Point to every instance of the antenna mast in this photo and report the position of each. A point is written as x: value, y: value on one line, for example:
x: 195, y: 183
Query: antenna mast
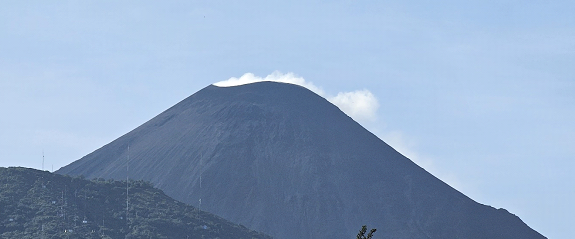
x: 42, y: 161
x: 201, y: 169
x: 127, y: 182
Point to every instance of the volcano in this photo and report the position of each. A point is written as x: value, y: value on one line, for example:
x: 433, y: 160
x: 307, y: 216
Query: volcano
x: 280, y: 159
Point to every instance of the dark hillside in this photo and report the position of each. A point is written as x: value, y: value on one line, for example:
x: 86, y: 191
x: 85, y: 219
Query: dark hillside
x: 39, y: 204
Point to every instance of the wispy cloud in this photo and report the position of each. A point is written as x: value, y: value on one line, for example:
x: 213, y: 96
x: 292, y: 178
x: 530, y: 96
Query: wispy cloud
x: 361, y: 105
x: 407, y: 146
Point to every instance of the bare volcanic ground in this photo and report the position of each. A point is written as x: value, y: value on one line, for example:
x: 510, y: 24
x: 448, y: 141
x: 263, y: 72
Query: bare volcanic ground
x: 282, y: 160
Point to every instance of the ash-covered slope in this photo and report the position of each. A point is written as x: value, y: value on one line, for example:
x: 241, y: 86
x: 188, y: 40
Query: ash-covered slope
x: 282, y: 160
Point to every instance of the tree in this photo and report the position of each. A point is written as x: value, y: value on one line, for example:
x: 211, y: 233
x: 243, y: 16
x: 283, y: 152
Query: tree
x: 361, y: 234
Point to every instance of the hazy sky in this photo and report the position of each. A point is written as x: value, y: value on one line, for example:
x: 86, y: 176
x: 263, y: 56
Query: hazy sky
x: 479, y: 93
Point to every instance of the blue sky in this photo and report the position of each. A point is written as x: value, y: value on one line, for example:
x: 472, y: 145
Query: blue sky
x: 480, y: 93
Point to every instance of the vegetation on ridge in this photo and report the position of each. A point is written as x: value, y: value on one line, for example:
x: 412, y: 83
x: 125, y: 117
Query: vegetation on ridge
x: 361, y: 234
x: 39, y: 204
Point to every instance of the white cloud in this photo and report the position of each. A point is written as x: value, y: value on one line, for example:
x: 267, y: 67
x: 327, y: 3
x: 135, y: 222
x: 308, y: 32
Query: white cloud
x: 276, y: 76
x: 361, y: 105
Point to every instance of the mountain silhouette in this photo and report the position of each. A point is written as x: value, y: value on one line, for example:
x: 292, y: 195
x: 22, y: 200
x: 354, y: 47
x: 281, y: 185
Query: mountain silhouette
x: 282, y: 160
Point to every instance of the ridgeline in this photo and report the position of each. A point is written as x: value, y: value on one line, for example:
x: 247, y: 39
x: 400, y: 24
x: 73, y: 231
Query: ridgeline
x: 40, y: 204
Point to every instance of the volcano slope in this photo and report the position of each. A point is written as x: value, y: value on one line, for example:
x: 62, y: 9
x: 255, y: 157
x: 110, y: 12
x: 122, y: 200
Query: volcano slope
x: 282, y: 160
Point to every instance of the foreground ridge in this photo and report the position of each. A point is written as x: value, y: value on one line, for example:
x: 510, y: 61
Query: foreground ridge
x: 39, y: 204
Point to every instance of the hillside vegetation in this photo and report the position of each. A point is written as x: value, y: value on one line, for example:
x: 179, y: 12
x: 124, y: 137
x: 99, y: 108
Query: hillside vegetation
x: 39, y: 204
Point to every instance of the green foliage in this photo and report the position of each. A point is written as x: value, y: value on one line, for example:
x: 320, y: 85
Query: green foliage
x: 39, y: 204
x: 361, y: 234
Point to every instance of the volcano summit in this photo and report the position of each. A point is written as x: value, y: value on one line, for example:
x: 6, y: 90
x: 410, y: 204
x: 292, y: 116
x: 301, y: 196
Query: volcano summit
x: 282, y: 160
